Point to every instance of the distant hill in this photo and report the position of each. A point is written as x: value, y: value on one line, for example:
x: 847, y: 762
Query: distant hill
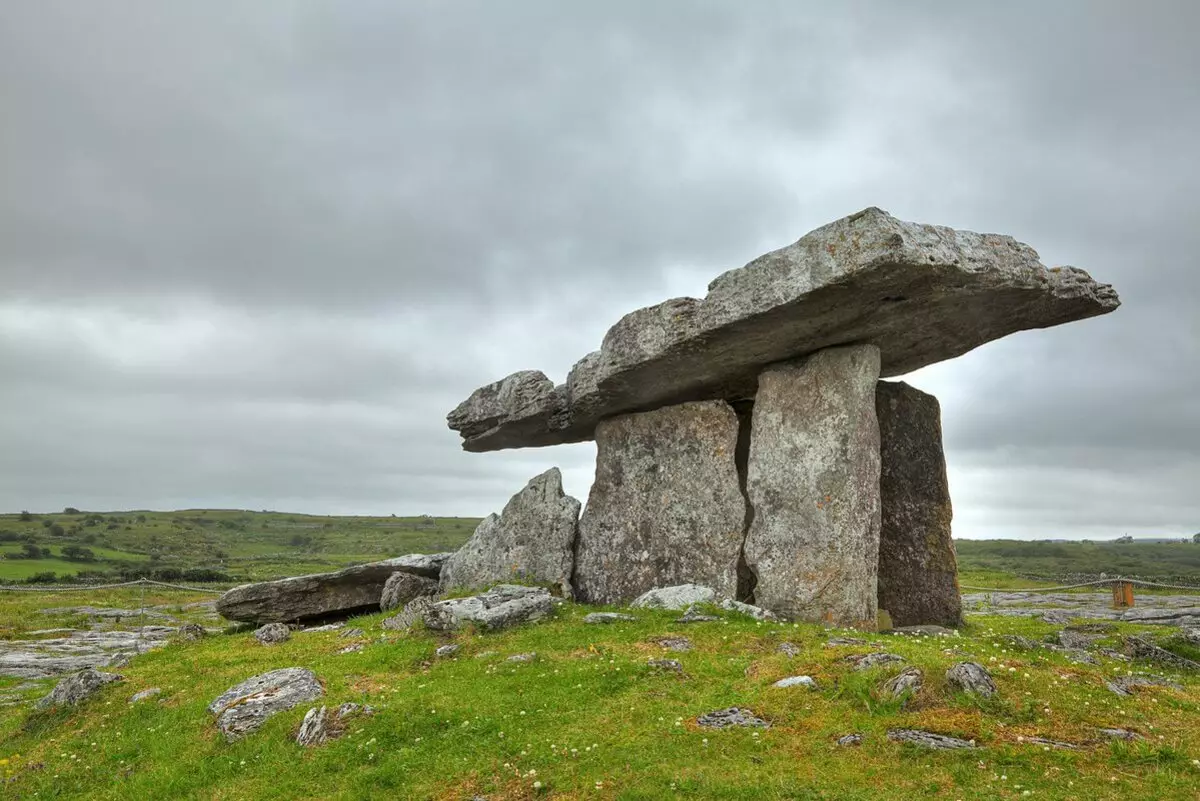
x: 1163, y: 559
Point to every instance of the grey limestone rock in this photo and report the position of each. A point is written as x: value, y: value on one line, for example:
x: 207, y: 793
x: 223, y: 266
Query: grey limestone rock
x: 242, y: 709
x: 788, y: 649
x: 673, y: 643
x: 756, y: 612
x: 733, y: 716
x: 500, y: 607
x: 273, y: 634
x: 446, y: 651
x: 1128, y: 685
x: 920, y: 293
x: 401, y: 587
x: 797, y: 681
x: 850, y: 739
x: 868, y: 661
x: 191, y: 632
x: 908, y: 682
x: 1120, y: 734
x: 320, y: 725
x: 1046, y: 743
x: 972, y: 678
x: 1140, y: 648
x: 532, y: 540
x: 918, y: 569
x: 608, y: 617
x: 813, y: 483
x: 666, y: 506
x: 928, y: 739
x: 145, y: 694
x: 407, y: 617
x: 76, y: 688
x: 671, y: 665
x: 526, y: 657
x: 678, y: 597
x: 694, y: 615
x: 345, y: 592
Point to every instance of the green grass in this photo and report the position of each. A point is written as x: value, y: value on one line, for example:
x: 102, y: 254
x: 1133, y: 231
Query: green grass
x: 1058, y: 561
x: 589, y: 720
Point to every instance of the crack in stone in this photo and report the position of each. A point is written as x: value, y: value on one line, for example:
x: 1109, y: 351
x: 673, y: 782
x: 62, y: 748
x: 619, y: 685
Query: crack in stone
x: 747, y: 579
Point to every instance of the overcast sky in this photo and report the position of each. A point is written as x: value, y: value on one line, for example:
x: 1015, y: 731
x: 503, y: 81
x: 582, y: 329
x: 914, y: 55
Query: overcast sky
x: 252, y: 253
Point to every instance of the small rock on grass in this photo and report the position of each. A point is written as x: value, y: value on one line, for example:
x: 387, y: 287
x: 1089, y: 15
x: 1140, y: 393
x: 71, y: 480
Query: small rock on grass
x: 673, y: 643
x: 352, y: 649
x: 850, y: 739
x: 1144, y: 649
x: 144, y: 694
x: 972, y: 678
x: 797, y: 681
x: 834, y: 642
x: 190, y: 632
x: 1042, y: 741
x: 242, y: 709
x: 1120, y: 734
x: 320, y: 726
x: 347, y: 633
x: 1127, y: 685
x: 529, y: 657
x: 788, y: 649
x: 678, y: 597
x: 909, y: 680
x: 673, y: 665
x: 928, y: 739
x: 273, y: 633
x: 868, y: 661
x: 608, y: 617
x: 693, y: 615
x: 326, y: 627
x: 76, y: 688
x: 733, y: 716
x: 445, y: 651
x: 756, y: 612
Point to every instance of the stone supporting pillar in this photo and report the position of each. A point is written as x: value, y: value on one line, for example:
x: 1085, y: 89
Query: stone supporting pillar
x: 918, y: 571
x: 813, y: 484
x: 666, y: 507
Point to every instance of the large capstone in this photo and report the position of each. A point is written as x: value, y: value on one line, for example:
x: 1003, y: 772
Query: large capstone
x: 920, y: 293
x: 666, y: 507
x: 813, y: 484
x: 347, y: 592
x: 532, y: 540
x: 918, y: 571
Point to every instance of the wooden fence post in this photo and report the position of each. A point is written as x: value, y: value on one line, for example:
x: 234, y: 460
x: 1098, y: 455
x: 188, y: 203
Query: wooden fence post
x: 1122, y: 594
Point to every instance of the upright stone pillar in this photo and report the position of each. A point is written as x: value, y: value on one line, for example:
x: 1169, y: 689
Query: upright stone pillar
x: 666, y: 507
x: 813, y: 486
x: 918, y: 570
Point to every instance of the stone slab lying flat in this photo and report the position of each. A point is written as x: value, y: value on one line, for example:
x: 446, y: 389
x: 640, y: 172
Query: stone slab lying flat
x: 921, y: 293
x: 345, y: 592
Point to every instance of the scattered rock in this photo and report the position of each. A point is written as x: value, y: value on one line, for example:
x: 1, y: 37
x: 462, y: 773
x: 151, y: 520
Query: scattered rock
x: 531, y: 540
x: 273, y: 634
x: 325, y: 627
x: 407, y: 617
x: 666, y: 506
x: 529, y: 657
x: 756, y: 612
x: 693, y: 615
x: 1139, y: 648
x: 608, y: 617
x: 144, y: 694
x: 679, y: 597
x: 501, y: 607
x: 242, y: 709
x: 1024, y: 643
x: 812, y: 478
x: 1128, y: 685
x: 788, y: 648
x: 446, y: 651
x: 400, y: 588
x: 1191, y: 635
x: 352, y: 649
x: 850, y: 739
x: 320, y: 726
x: 733, y: 716
x: 673, y: 665
x: 1077, y: 640
x: 191, y: 632
x: 972, y: 678
x: 797, y: 681
x: 834, y: 642
x: 1120, y: 734
x: 1042, y: 741
x: 1078, y: 656
x: 868, y: 661
x: 347, y: 592
x: 908, y: 682
x: 918, y: 568
x: 928, y: 739
x: 925, y: 631
x: 673, y: 643
x: 79, y: 687
x: 348, y: 633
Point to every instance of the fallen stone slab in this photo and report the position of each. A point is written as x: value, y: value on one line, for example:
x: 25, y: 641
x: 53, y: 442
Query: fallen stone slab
x: 244, y: 708
x: 918, y: 568
x: 920, y: 293
x: 971, y: 678
x: 733, y: 716
x: 666, y: 506
x: 77, y: 688
x: 677, y: 598
x: 928, y: 739
x: 354, y: 590
x: 501, y: 607
x: 531, y: 540
x: 608, y: 618
x: 812, y: 480
x: 400, y: 588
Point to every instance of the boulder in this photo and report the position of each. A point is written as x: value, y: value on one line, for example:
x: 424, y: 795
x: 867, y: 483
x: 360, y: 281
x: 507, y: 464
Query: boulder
x: 918, y: 569
x: 676, y: 598
x: 812, y: 482
x: 501, y: 607
x: 666, y: 506
x: 401, y: 587
x: 920, y: 293
x: 273, y: 634
x: 972, y: 678
x: 242, y: 709
x: 76, y: 688
x: 354, y: 590
x: 531, y: 540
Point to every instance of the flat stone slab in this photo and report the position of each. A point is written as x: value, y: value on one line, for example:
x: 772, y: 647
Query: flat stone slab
x: 243, y: 709
x: 921, y: 293
x: 346, y: 592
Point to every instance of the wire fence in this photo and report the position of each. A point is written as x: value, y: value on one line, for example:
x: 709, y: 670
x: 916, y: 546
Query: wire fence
x: 142, y: 582
x: 1108, y: 582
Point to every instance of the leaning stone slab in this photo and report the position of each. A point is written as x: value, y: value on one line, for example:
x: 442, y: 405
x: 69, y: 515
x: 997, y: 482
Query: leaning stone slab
x: 501, y: 607
x: 666, y: 506
x: 244, y: 708
x: 531, y: 540
x: 972, y: 678
x: 677, y: 598
x: 813, y: 482
x: 401, y: 587
x: 74, y: 689
x: 921, y: 293
x: 347, y: 592
x: 918, y: 569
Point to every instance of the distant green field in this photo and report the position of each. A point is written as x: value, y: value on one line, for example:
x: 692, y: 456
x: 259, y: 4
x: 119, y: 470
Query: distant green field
x: 1178, y: 561
x: 238, y: 545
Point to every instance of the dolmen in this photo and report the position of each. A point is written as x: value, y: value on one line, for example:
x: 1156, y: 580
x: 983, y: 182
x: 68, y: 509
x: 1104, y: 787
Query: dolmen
x: 745, y: 441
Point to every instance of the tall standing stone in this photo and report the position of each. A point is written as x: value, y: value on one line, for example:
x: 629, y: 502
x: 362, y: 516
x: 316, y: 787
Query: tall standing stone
x: 533, y: 539
x: 813, y: 485
x: 666, y: 507
x: 918, y: 571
